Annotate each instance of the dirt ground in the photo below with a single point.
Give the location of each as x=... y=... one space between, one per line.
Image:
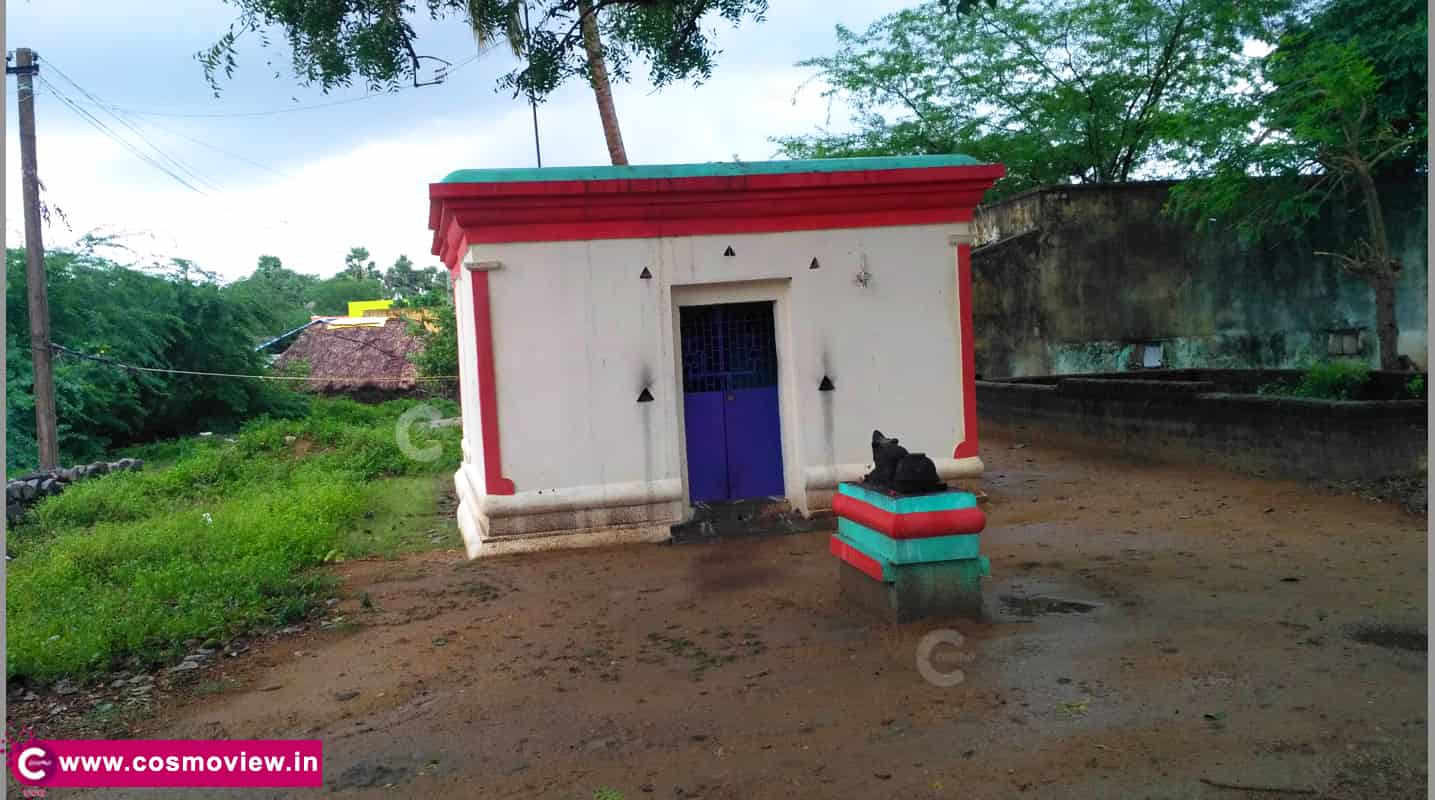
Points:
x=1241 y=631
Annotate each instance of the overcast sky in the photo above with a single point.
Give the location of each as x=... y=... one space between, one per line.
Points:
x=306 y=185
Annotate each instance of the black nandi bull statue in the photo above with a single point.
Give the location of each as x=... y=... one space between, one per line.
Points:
x=900 y=471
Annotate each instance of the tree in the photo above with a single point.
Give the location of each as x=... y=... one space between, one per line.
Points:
x=331 y=297
x=276 y=293
x=401 y=280
x=1323 y=127
x=171 y=318
x=358 y=265
x=1077 y=90
x=374 y=41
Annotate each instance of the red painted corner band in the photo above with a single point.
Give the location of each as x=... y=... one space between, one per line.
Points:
x=967 y=448
x=919 y=525
x=487 y=388
x=859 y=560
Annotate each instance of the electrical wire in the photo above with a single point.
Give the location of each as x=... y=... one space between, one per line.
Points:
x=199 y=373
x=290 y=109
x=109 y=132
x=173 y=161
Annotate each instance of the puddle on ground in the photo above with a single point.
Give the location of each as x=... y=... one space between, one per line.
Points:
x=1392 y=637
x=1038 y=605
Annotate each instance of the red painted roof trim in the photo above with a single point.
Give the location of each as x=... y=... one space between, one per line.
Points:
x=461 y=214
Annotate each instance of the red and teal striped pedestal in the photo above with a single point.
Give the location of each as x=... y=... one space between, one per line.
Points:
x=909 y=557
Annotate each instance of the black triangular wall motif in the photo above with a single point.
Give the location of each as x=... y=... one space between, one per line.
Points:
x=825 y=385
x=729 y=252
x=645 y=274
x=646 y=396
x=814 y=264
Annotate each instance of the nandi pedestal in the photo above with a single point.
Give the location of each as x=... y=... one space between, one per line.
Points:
x=909 y=556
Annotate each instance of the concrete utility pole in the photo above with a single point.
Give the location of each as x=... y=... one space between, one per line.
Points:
x=45 y=432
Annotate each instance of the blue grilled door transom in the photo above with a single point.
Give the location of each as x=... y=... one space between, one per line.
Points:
x=734 y=437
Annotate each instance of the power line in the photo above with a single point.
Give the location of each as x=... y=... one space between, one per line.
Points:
x=107 y=131
x=199 y=373
x=289 y=109
x=220 y=150
x=175 y=162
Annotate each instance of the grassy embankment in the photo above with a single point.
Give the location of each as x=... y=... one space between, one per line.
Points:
x=216 y=537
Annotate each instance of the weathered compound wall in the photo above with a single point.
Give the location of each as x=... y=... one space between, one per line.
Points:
x=1078 y=279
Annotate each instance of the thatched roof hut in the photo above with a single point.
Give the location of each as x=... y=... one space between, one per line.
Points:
x=355 y=355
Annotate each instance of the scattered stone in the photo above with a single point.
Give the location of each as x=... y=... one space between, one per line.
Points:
x=274 y=687
x=291 y=629
x=185 y=666
x=65 y=687
x=343 y=696
x=290 y=439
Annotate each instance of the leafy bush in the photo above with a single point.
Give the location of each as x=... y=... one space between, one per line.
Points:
x=130 y=564
x=1326 y=380
x=177 y=318
x=1415 y=387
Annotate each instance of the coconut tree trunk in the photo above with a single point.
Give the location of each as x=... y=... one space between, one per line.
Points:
x=602 y=89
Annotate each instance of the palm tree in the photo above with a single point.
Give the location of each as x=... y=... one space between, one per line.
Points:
x=602 y=90
x=515 y=32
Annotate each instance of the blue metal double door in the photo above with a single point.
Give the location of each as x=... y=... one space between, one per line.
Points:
x=730 y=408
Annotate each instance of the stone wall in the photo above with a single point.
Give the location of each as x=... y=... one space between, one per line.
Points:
x=1077 y=279
x=23 y=492
x=1204 y=419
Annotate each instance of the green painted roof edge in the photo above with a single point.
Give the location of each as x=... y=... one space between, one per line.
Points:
x=710 y=169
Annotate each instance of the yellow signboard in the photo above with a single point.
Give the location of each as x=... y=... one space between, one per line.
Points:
x=359 y=308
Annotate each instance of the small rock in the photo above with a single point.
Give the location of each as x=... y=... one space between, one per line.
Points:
x=291 y=629
x=185 y=666
x=290 y=439
x=343 y=696
x=331 y=602
x=273 y=687
x=882 y=776
x=440 y=642
x=119 y=683
x=65 y=687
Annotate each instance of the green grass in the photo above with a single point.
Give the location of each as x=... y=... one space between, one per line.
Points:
x=223 y=540
x=1326 y=380
x=405 y=518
